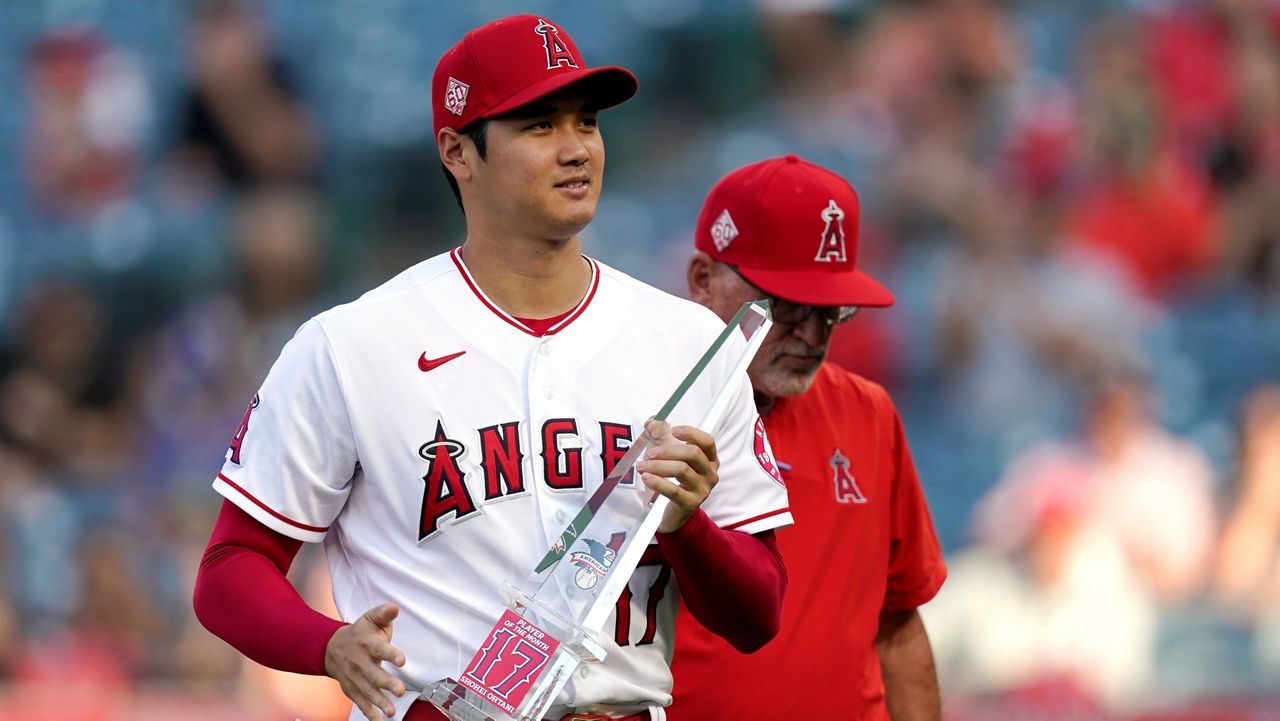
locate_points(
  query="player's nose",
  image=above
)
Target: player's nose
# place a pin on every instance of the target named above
(573, 148)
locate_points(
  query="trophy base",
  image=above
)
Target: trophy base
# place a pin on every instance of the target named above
(526, 660)
(465, 699)
(460, 703)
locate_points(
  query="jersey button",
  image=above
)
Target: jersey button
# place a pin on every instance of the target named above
(544, 347)
(548, 392)
(560, 516)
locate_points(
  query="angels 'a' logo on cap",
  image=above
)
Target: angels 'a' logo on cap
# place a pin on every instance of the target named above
(723, 231)
(832, 247)
(557, 52)
(455, 96)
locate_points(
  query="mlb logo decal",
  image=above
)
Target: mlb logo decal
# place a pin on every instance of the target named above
(455, 96)
(846, 486)
(723, 231)
(594, 562)
(832, 246)
(509, 661)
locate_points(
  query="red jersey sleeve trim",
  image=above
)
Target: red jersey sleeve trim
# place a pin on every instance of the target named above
(269, 509)
(753, 519)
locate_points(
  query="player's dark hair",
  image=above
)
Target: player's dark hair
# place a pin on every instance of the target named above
(476, 131)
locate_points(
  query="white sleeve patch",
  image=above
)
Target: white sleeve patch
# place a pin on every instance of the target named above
(750, 495)
(292, 458)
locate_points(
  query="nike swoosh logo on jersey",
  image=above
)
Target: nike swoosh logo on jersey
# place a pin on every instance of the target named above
(425, 364)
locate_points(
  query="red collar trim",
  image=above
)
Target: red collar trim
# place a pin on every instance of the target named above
(572, 315)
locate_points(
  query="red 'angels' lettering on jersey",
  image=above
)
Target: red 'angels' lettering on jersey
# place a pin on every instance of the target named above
(832, 247)
(847, 490)
(238, 438)
(502, 466)
(615, 440)
(557, 53)
(502, 460)
(445, 491)
(562, 466)
(764, 453)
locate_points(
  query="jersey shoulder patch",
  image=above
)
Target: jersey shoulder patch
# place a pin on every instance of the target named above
(764, 453)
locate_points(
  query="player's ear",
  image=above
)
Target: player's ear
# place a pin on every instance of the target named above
(700, 275)
(449, 143)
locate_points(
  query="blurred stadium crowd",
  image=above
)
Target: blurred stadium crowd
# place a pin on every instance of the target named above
(1077, 205)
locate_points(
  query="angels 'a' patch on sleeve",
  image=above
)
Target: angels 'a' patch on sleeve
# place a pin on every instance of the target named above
(764, 453)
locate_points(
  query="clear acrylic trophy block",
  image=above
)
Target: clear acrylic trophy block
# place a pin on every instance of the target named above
(553, 618)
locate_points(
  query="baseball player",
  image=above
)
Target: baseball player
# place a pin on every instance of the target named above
(438, 433)
(862, 554)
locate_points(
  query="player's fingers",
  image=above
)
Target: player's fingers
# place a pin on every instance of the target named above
(666, 468)
(657, 430)
(367, 706)
(690, 454)
(664, 486)
(382, 616)
(699, 438)
(367, 690)
(382, 651)
(697, 482)
(383, 680)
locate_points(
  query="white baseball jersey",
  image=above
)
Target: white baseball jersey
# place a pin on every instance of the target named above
(438, 446)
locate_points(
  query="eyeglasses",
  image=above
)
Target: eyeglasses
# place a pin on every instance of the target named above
(789, 313)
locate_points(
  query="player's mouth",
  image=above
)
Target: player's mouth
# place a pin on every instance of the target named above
(576, 188)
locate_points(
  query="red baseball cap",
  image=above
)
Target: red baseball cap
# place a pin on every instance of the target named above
(511, 62)
(790, 228)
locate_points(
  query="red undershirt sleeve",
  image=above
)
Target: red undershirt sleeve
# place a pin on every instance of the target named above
(732, 582)
(243, 597)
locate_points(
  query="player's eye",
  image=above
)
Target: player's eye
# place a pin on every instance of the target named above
(590, 122)
(539, 125)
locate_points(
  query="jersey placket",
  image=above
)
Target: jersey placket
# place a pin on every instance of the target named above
(550, 398)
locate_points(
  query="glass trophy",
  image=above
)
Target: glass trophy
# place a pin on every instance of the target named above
(553, 618)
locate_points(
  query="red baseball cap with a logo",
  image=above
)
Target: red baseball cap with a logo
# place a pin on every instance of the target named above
(790, 228)
(511, 62)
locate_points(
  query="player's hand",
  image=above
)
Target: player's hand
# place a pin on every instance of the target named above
(354, 657)
(687, 455)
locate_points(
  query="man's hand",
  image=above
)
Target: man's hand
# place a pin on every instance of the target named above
(687, 455)
(354, 656)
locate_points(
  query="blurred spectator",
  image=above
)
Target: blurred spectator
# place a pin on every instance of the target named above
(195, 375)
(1143, 203)
(242, 122)
(1245, 166)
(1078, 549)
(1199, 56)
(60, 383)
(1139, 467)
(1021, 320)
(10, 631)
(90, 108)
(1125, 466)
(1047, 595)
(1248, 569)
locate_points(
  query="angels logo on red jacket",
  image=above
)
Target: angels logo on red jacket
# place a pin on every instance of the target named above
(847, 490)
(764, 453)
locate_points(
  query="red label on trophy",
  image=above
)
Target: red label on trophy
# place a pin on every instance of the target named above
(511, 658)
